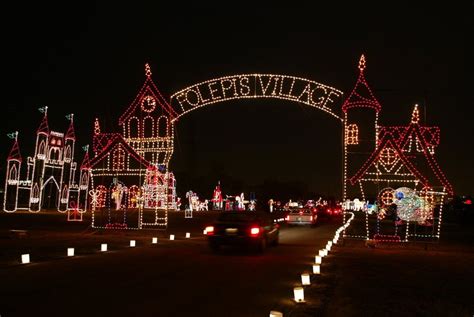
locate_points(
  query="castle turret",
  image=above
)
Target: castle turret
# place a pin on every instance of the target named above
(84, 180)
(12, 179)
(361, 111)
(41, 155)
(68, 171)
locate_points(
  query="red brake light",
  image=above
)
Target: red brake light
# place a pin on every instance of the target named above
(311, 218)
(209, 230)
(254, 231)
(287, 218)
(301, 212)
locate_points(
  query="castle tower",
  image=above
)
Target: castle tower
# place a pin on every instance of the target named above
(12, 179)
(69, 166)
(147, 125)
(84, 181)
(361, 111)
(39, 162)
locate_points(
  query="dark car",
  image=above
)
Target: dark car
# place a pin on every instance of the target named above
(248, 229)
(302, 216)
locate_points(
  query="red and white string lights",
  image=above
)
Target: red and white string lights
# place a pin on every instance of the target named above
(395, 160)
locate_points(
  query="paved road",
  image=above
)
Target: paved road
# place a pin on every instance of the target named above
(173, 278)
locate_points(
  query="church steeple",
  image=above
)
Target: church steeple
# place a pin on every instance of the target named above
(147, 70)
(361, 96)
(415, 116)
(96, 126)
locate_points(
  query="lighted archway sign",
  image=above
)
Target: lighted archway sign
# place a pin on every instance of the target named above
(284, 87)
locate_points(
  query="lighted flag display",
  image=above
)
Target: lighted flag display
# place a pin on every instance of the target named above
(43, 109)
(12, 135)
(70, 116)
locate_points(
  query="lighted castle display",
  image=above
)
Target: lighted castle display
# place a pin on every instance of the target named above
(50, 174)
(127, 184)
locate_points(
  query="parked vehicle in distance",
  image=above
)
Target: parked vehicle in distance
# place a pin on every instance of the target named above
(242, 228)
(302, 216)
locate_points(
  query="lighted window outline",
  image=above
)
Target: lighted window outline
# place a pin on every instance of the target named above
(42, 148)
(134, 130)
(57, 154)
(13, 173)
(67, 153)
(146, 130)
(388, 156)
(352, 134)
(84, 179)
(64, 193)
(35, 193)
(162, 127)
(118, 163)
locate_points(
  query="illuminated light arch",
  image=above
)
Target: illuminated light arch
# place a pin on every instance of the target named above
(118, 159)
(42, 148)
(148, 130)
(162, 127)
(134, 128)
(248, 86)
(13, 173)
(67, 153)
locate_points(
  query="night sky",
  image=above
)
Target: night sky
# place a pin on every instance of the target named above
(88, 59)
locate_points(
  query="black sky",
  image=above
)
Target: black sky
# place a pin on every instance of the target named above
(89, 59)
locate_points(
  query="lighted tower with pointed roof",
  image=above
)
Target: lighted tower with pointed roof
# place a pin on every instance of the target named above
(147, 126)
(361, 111)
(10, 203)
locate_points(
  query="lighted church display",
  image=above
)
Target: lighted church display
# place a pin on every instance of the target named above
(392, 169)
(131, 187)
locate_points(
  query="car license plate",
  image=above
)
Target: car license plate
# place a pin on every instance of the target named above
(231, 231)
(299, 218)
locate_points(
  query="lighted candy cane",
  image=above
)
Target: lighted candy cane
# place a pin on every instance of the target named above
(94, 193)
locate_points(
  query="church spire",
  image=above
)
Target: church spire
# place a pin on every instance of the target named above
(415, 116)
(362, 63)
(147, 70)
(96, 126)
(361, 96)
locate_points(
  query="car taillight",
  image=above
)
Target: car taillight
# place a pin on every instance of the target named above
(311, 219)
(287, 218)
(254, 231)
(209, 230)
